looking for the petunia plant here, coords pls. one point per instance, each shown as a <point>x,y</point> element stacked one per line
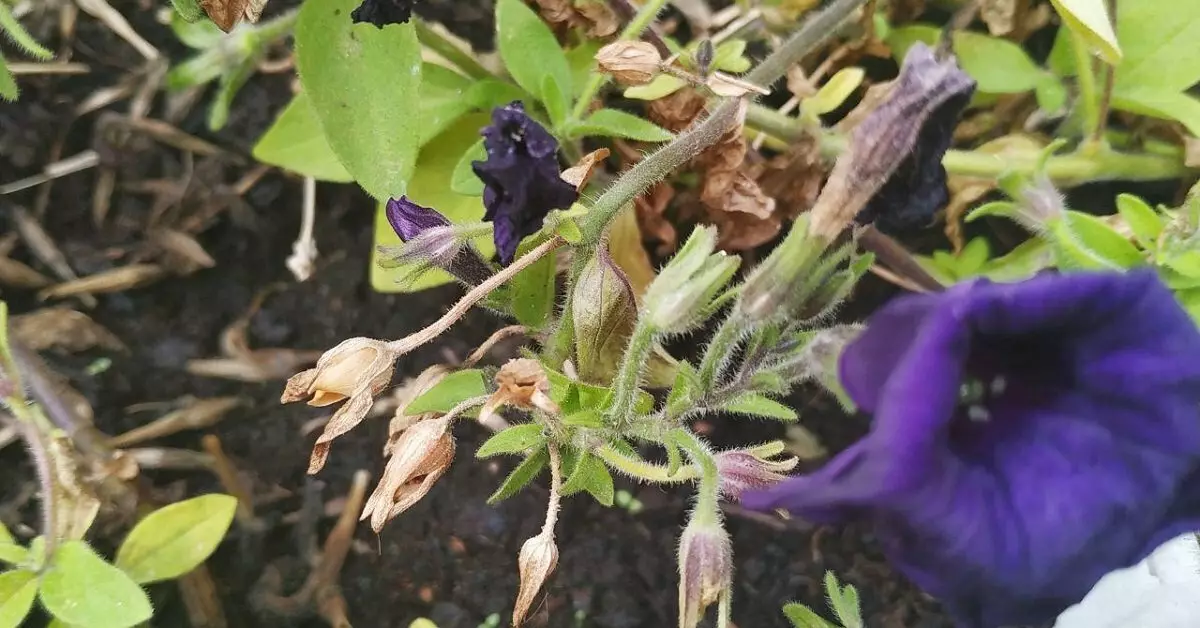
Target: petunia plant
<point>1031,432</point>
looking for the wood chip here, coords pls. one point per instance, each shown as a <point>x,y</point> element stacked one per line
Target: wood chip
<point>115,280</point>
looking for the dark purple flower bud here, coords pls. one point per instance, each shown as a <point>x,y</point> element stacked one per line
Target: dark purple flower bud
<point>1028,439</point>
<point>741,470</point>
<point>383,12</point>
<point>431,240</point>
<point>521,177</point>
<point>891,173</point>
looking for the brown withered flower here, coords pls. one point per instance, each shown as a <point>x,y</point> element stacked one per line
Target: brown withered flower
<point>593,16</point>
<point>354,371</point>
<point>630,62</point>
<point>537,560</point>
<point>521,383</point>
<point>891,173</point>
<point>420,456</point>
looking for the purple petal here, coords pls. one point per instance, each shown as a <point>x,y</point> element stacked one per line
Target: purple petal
<point>409,219</point>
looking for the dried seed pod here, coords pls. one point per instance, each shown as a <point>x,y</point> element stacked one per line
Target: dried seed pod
<point>630,62</point>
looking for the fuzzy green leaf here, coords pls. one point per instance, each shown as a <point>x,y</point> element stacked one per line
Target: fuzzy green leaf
<point>81,589</point>
<point>451,391</point>
<point>8,83</point>
<point>521,476</point>
<point>662,86</point>
<point>463,179</point>
<point>18,589</point>
<point>834,92</point>
<point>555,100</point>
<point>530,51</point>
<point>175,539</point>
<point>802,616</point>
<point>531,292</point>
<point>21,37</point>
<point>614,123</point>
<point>1090,19</point>
<point>591,475</point>
<point>843,601</point>
<point>513,440</point>
<point>361,81</point>
<point>295,142</point>
<point>1160,44</point>
<point>1145,223</point>
<point>1186,263</point>
<point>756,404</point>
<point>189,10</point>
<point>1158,102</point>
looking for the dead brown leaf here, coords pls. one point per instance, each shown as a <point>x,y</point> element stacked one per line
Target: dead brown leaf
<point>651,207</point>
<point>227,13</point>
<point>115,280</point>
<point>193,414</point>
<point>579,174</point>
<point>19,275</point>
<point>998,15</point>
<point>625,246</point>
<point>181,253</point>
<point>594,16</point>
<point>62,328</point>
<point>794,178</point>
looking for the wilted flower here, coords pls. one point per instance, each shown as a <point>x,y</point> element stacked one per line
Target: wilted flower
<point>891,173</point>
<point>705,569</point>
<point>431,240</point>
<point>420,456</point>
<point>752,469</point>
<point>1028,439</point>
<point>630,62</point>
<point>521,177</point>
<point>579,174</point>
<point>537,560</point>
<point>383,12</point>
<point>685,288</point>
<point>356,369</point>
<point>521,383</point>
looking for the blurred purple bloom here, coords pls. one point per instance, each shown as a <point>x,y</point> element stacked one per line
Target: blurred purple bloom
<point>430,239</point>
<point>1028,439</point>
<point>383,12</point>
<point>521,177</point>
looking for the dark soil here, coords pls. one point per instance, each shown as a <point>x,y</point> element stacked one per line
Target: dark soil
<point>452,557</point>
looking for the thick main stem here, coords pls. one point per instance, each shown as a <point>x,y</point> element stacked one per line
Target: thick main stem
<point>628,381</point>
<point>477,294</point>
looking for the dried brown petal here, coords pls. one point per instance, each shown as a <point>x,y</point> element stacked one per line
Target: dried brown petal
<point>651,207</point>
<point>794,179</point>
<point>743,232</point>
<point>579,174</point>
<point>62,328</point>
<point>593,16</point>
<point>420,457</point>
<point>537,560</point>
<point>521,383</point>
<point>998,15</point>
<point>746,197</point>
<point>227,13</point>
<point>630,62</point>
<point>723,84</point>
<point>676,112</point>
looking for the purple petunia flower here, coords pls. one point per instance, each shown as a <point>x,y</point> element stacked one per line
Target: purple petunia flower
<point>521,177</point>
<point>430,240</point>
<point>1028,439</point>
<point>383,12</point>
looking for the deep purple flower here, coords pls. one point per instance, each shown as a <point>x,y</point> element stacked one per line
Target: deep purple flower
<point>430,240</point>
<point>383,12</point>
<point>1028,439</point>
<point>521,177</point>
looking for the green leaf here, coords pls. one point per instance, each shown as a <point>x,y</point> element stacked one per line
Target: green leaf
<point>591,475</point>
<point>1186,263</point>
<point>834,92</point>
<point>18,589</point>
<point>21,37</point>
<point>175,539</point>
<point>802,616</point>
<point>531,292</point>
<point>1190,300</point>
<point>490,93</point>
<point>1160,44</point>
<point>189,10</point>
<point>614,123</point>
<point>757,404</point>
<point>81,589</point>
<point>12,553</point>
<point>8,83</point>
<point>662,86</point>
<point>1145,223</point>
<point>1023,262</point>
<point>295,142</point>
<point>361,81</point>
<point>515,439</point>
<point>530,51</point>
<point>195,33</point>
<point>555,100</point>
<point>998,66</point>
<point>587,418</point>
<point>1090,19</point>
<point>973,256</point>
<point>430,186</point>
<point>422,622</point>
<point>1159,102</point>
<point>521,476</point>
<point>227,88</point>
<point>573,396</point>
<point>731,57</point>
<point>843,601</point>
<point>463,179</point>
<point>582,61</point>
<point>452,390</point>
<point>1084,241</point>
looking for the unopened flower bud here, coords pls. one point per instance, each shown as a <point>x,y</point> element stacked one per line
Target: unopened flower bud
<point>430,240</point>
<point>705,569</point>
<point>1039,203</point>
<point>604,311</point>
<point>681,295</point>
<point>420,456</point>
<point>752,468</point>
<point>537,560</point>
<point>630,62</point>
<point>356,369</point>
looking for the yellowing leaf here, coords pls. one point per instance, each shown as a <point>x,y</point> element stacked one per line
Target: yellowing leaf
<point>295,142</point>
<point>81,589</point>
<point>17,590</point>
<point>1091,20</point>
<point>175,539</point>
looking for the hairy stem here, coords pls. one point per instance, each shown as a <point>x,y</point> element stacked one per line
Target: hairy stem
<point>477,294</point>
<point>716,355</point>
<point>642,470</point>
<point>707,511</point>
<point>554,504</point>
<point>628,381</point>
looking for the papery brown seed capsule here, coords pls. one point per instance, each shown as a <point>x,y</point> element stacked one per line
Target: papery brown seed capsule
<point>630,62</point>
<point>537,560</point>
<point>705,569</point>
